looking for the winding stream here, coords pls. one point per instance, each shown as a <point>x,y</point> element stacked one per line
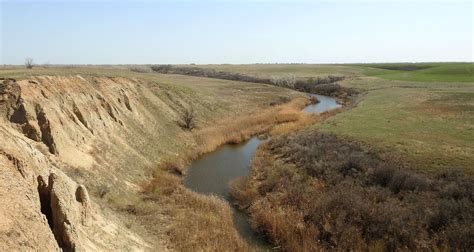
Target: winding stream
<point>212,173</point>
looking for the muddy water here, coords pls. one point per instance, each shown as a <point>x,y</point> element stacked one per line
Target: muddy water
<point>325,103</point>
<point>212,173</point>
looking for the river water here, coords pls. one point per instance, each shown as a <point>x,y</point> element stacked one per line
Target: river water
<point>212,173</point>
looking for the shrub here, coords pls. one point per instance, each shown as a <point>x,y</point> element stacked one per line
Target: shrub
<point>240,192</point>
<point>416,182</point>
<point>287,81</point>
<point>383,175</point>
<point>176,168</point>
<point>140,69</point>
<point>189,213</point>
<point>321,85</point>
<point>188,119</point>
<point>330,193</point>
<point>161,68</point>
<point>280,100</point>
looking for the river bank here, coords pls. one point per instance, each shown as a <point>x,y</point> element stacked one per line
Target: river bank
<point>212,173</point>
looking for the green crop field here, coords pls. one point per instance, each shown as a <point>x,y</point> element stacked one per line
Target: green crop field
<point>424,72</point>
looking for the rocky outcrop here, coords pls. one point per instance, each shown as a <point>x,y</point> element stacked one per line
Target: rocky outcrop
<point>45,127</point>
<point>31,131</point>
<point>82,196</point>
<point>42,208</point>
<point>79,115</point>
<point>66,206</point>
<point>14,109</point>
<point>60,131</point>
<point>127,102</point>
<point>9,97</point>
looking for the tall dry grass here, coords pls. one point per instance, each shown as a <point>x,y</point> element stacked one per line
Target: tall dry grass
<point>199,222</point>
<point>282,223</point>
<point>204,223</point>
<point>280,119</point>
<point>238,129</point>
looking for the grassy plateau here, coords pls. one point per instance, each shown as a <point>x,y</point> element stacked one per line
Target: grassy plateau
<point>424,112</point>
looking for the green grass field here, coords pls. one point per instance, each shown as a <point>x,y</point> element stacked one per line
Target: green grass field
<point>420,72</point>
<point>427,118</point>
<point>424,112</point>
<point>299,70</point>
<point>430,125</point>
<point>425,72</point>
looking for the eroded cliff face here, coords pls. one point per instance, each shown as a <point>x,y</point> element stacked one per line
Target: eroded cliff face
<point>74,151</point>
<point>57,133</point>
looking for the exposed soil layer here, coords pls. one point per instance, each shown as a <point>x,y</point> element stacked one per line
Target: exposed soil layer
<point>100,136</point>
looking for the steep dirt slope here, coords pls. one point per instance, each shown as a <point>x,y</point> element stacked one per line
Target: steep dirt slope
<point>62,138</point>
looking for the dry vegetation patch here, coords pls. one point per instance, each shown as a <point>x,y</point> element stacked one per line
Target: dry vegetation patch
<point>310,191</point>
<point>202,222</point>
<point>326,85</point>
<point>240,128</point>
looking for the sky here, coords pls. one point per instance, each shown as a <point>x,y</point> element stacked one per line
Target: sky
<point>238,32</point>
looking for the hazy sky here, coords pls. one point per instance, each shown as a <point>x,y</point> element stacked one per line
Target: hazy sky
<point>139,32</point>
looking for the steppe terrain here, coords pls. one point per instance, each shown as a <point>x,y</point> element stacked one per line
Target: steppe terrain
<point>92,157</point>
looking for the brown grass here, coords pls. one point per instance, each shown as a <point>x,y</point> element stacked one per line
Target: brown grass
<point>204,223</point>
<point>199,222</point>
<point>238,129</point>
<point>310,191</point>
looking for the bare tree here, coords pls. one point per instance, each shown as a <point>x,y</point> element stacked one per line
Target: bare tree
<point>188,118</point>
<point>29,63</point>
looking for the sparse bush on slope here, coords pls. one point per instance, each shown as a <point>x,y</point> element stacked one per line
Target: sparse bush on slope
<point>311,191</point>
<point>188,118</point>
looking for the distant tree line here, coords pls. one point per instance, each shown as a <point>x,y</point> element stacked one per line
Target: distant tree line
<point>320,85</point>
<point>205,72</point>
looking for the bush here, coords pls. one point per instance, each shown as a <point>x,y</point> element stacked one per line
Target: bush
<point>140,69</point>
<point>188,118</point>
<point>280,100</point>
<point>287,81</point>
<point>239,192</point>
<point>161,68</point>
<point>330,193</point>
<point>321,85</point>
<point>383,175</point>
